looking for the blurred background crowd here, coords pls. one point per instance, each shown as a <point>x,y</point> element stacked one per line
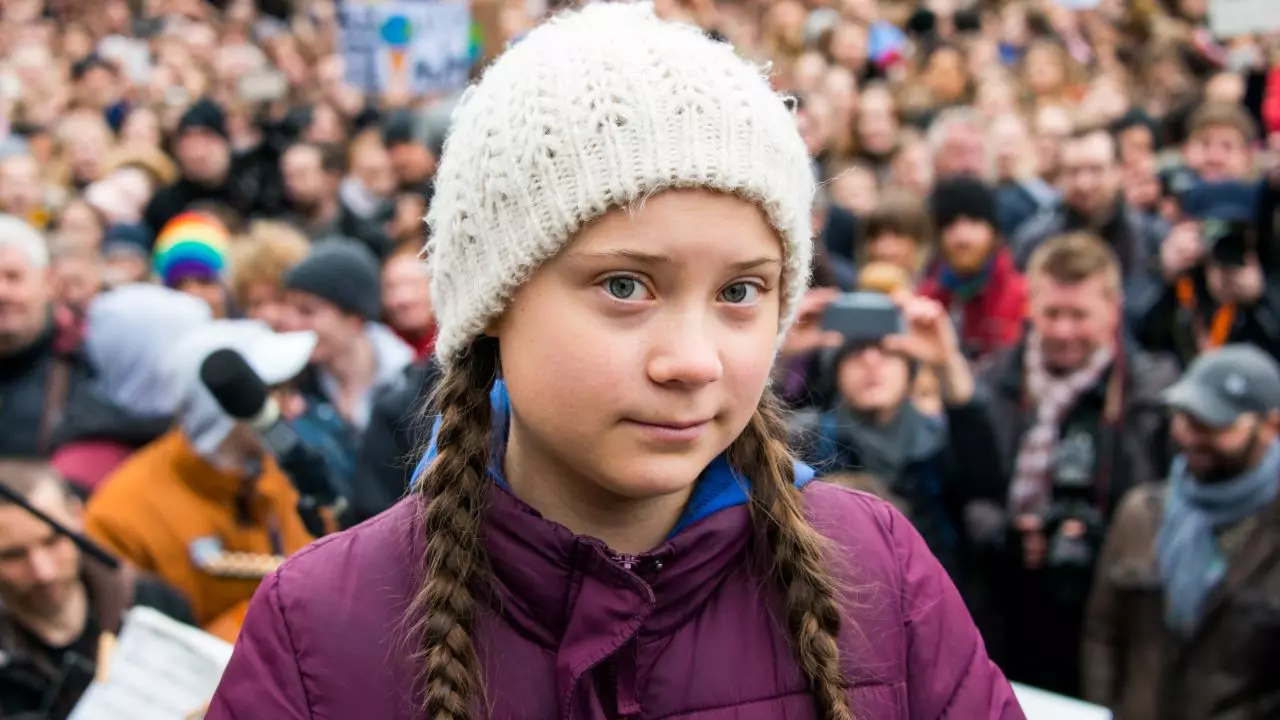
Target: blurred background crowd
<point>1088,187</point>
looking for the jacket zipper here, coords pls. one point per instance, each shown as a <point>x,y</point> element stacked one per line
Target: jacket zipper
<point>628,562</point>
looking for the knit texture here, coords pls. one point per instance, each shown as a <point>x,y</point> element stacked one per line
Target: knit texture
<point>191,246</point>
<point>592,111</point>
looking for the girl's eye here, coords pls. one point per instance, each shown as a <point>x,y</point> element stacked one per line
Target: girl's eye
<point>741,293</point>
<point>624,287</point>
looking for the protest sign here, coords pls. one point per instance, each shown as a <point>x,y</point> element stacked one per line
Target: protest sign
<point>1231,18</point>
<point>420,46</point>
<point>159,669</point>
<point>1040,704</point>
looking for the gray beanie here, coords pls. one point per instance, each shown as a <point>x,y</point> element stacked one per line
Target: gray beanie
<point>592,111</point>
<point>342,272</point>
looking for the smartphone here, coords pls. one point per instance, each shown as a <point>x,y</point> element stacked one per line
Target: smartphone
<point>263,86</point>
<point>863,317</point>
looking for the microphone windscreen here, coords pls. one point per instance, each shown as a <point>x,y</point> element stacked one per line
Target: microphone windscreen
<point>234,384</point>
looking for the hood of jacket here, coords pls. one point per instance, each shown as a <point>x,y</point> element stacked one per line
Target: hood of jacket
<point>719,487</point>
<point>90,416</point>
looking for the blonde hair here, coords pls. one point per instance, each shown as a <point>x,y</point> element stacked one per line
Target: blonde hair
<point>883,277</point>
<point>263,257</point>
<point>1072,258</point>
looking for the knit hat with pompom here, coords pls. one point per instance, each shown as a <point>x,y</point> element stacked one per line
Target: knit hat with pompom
<point>589,112</point>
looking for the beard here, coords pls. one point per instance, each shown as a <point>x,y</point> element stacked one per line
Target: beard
<point>1225,466</point>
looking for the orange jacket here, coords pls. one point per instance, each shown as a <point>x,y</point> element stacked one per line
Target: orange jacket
<point>168,511</point>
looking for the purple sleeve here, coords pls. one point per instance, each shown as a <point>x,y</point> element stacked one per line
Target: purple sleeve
<point>263,679</point>
<point>948,671</point>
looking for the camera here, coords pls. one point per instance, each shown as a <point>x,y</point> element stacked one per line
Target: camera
<point>1227,241</point>
<point>1073,525</point>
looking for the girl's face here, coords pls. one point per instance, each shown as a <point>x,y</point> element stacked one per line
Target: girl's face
<point>1045,73</point>
<point>849,45</point>
<point>877,122</point>
<point>806,76</point>
<point>841,90</point>
<point>946,76</point>
<point>640,352</point>
<point>996,98</point>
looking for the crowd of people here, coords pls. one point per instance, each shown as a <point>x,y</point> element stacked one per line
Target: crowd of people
<point>1072,205</point>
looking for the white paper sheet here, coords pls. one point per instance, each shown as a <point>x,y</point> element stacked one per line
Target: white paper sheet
<point>160,670</point>
<point>1040,704</point>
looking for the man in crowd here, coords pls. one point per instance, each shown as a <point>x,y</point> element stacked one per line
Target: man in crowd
<point>1182,620</point>
<point>974,277</point>
<point>1092,201</point>
<point>205,507</point>
<point>1219,143</point>
<point>57,603</point>
<point>336,294</point>
<point>248,183</point>
<point>37,363</point>
<point>1215,289</point>
<point>1076,418</point>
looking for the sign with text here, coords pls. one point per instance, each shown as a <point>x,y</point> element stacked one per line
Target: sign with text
<point>1232,18</point>
<point>421,46</point>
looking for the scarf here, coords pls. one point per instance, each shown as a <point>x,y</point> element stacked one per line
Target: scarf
<point>988,308</point>
<point>885,451</point>
<point>1052,397</point>
<point>965,287</point>
<point>1190,560</point>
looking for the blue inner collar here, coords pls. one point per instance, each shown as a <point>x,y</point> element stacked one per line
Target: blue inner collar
<point>719,487</point>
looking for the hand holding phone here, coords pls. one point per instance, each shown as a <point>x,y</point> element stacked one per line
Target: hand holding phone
<point>863,317</point>
<point>927,336</point>
<point>807,333</point>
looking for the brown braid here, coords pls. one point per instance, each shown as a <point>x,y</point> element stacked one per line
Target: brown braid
<point>455,486</point>
<point>813,614</point>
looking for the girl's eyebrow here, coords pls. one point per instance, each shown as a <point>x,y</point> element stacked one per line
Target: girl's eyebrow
<point>651,259</point>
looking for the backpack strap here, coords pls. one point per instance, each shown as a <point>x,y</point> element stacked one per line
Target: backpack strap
<point>56,388</point>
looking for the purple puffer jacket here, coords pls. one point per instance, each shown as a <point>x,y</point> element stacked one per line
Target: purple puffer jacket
<point>687,631</point>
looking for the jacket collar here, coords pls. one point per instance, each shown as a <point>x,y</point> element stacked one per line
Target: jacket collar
<point>551,582</point>
<point>542,570</point>
<point>225,489</point>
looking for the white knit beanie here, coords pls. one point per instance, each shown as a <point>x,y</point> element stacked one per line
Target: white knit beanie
<point>591,111</point>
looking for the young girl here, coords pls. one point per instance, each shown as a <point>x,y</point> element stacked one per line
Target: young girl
<point>615,529</point>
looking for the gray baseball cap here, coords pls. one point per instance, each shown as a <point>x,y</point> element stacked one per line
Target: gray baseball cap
<point>1223,384</point>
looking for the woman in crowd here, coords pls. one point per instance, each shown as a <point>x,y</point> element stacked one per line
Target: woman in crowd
<point>609,523</point>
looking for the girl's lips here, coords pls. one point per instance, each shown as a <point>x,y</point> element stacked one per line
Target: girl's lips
<point>672,432</point>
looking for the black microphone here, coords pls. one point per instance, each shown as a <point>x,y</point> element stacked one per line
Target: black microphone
<point>245,397</point>
<point>87,546</point>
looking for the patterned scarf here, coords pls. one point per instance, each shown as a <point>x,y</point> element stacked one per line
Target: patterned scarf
<point>1051,396</point>
<point>965,287</point>
<point>1191,560</point>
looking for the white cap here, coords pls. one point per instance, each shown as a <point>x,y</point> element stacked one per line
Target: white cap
<point>275,357</point>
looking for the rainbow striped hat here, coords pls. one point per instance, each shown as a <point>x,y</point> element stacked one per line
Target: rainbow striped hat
<point>191,246</point>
